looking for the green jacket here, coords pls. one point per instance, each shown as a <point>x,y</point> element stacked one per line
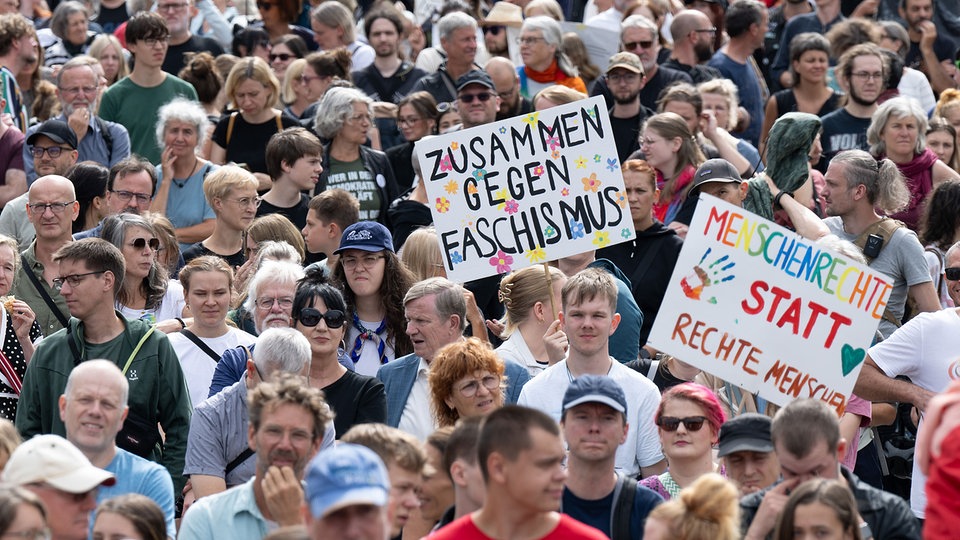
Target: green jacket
<point>158,391</point>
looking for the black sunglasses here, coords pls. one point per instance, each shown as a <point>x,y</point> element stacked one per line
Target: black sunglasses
<point>141,243</point>
<point>280,56</point>
<point>953,274</point>
<point>468,98</point>
<point>691,423</point>
<point>311,317</point>
<point>495,30</point>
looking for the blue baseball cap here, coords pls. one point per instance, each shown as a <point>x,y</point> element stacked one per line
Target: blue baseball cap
<point>366,236</point>
<point>595,389</point>
<point>345,475</point>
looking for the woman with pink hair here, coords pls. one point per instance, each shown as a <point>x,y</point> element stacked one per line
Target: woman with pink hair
<point>688,421</point>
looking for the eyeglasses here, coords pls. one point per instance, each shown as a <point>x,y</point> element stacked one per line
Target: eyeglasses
<point>691,423</point>
<point>863,75</point>
<point>52,151</point>
<point>468,98</point>
<point>125,196</point>
<point>56,208</point>
<point>493,30</point>
<point>244,202</point>
<point>306,79</point>
<point>87,90</point>
<point>366,261</point>
<point>311,317</point>
<point>283,57</point>
<point>490,382</point>
<point>529,40</point>
<point>711,30</point>
<point>31,534</point>
<point>408,121</point>
<point>637,44</point>
<point>153,42</point>
<point>141,243</point>
<point>623,77</point>
<point>360,118</point>
<point>952,274</point>
<point>73,279</point>
<point>267,302</point>
<point>172,7</point>
<point>648,142</point>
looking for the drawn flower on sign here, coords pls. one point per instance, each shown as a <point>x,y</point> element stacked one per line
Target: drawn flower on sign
<point>592,113</point>
<point>591,183</point>
<point>549,232</point>
<point>565,192</point>
<point>536,255</point>
<point>621,199</point>
<point>553,142</point>
<point>625,233</point>
<point>443,205</point>
<point>479,174</point>
<point>511,207</point>
<point>581,162</point>
<point>538,170</point>
<point>502,261</point>
<point>452,187</point>
<point>555,154</point>
<point>503,130</point>
<point>531,119</point>
<point>445,163</point>
<point>601,238</point>
<point>454,145</point>
<point>597,158</point>
<point>504,196</point>
<point>576,229</point>
<point>456,257</point>
<point>472,189</point>
<point>611,164</point>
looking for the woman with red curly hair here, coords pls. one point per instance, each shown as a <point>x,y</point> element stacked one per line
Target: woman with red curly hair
<point>466,379</point>
<point>688,421</point>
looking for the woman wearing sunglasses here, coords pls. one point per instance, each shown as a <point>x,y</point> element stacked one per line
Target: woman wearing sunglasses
<point>285,50</point>
<point>466,380</point>
<point>147,292</point>
<point>207,283</point>
<point>319,313</point>
<point>688,421</point>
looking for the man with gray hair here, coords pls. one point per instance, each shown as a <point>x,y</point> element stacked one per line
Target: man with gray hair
<point>93,408</point>
<point>78,87</point>
<point>218,453</point>
<point>458,39</point>
<point>436,314</point>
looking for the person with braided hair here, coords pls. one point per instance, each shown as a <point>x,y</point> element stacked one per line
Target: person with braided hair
<point>533,335</point>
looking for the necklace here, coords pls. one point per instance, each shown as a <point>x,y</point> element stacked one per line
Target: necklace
<point>182,182</point>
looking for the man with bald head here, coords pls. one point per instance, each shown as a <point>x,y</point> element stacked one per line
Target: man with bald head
<point>93,407</point>
<point>51,208</point>
<point>505,78</point>
<point>693,36</point>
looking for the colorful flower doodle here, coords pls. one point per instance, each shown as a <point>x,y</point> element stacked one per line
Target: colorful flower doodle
<point>502,261</point>
<point>445,163</point>
<point>479,174</point>
<point>443,205</point>
<point>472,189</point>
<point>536,254</point>
<point>511,207</point>
<point>452,187</point>
<point>591,183</point>
<point>503,130</point>
<point>456,257</point>
<point>454,145</point>
<point>504,196</point>
<point>611,164</point>
<point>621,199</point>
<point>555,154</point>
<point>597,158</point>
<point>601,238</point>
<point>565,192</point>
<point>538,170</point>
<point>592,113</point>
<point>576,229</point>
<point>581,162</point>
<point>549,232</point>
<point>553,142</point>
<point>625,233</point>
<point>531,119</point>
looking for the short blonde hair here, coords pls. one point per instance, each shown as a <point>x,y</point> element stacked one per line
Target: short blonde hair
<point>257,69</point>
<point>291,78</point>
<point>708,508</point>
<point>224,180</point>
<point>421,253</point>
<point>393,446</point>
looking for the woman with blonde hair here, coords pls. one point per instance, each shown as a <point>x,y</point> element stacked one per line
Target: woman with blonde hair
<point>107,50</point>
<point>533,337</point>
<point>240,137</point>
<point>708,510</point>
<point>942,139</point>
<point>577,52</point>
<point>673,152</point>
<point>295,95</point>
<point>466,379</point>
<point>554,95</point>
<point>334,27</point>
<point>421,254</point>
<point>721,100</point>
<point>820,508</point>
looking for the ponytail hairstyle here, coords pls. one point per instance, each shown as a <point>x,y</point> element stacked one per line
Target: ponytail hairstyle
<point>522,289</point>
<point>886,186</point>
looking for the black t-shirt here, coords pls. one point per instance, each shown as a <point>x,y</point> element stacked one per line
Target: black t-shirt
<point>297,214</point>
<point>663,78</point>
<point>390,89</point>
<point>248,142</point>
<point>401,161</point>
<point>842,131</point>
<point>174,61</point>
<point>110,18</point>
<point>198,250</point>
<point>356,399</point>
<point>626,132</point>
<point>942,47</point>
<point>597,513</point>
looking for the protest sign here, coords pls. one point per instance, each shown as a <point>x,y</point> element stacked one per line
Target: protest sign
<point>763,308</point>
<point>526,190</point>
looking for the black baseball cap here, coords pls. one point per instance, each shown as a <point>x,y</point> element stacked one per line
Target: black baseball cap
<point>57,131</point>
<point>475,76</point>
<point>746,432</point>
<point>715,170</point>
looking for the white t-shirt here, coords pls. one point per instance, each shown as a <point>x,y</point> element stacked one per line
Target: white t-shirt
<point>642,447</point>
<point>926,349</point>
<point>369,361</point>
<point>171,306</point>
<point>198,366</point>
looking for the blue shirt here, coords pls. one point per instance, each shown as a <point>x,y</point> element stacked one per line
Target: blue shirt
<point>232,514</point>
<point>93,147</point>
<point>599,513</point>
<point>137,475</point>
<point>753,90</point>
<point>187,205</point>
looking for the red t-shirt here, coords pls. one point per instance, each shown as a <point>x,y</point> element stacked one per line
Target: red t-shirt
<point>943,491</point>
<point>567,528</point>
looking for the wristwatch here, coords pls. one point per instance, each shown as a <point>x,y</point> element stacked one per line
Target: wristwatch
<point>865,531</point>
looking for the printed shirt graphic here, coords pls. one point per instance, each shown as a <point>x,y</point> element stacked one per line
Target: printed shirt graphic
<point>352,176</point>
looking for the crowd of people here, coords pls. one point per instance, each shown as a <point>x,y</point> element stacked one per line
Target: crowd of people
<point>226,312</point>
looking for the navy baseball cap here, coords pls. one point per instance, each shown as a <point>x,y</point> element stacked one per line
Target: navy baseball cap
<point>595,389</point>
<point>366,236</point>
<point>475,76</point>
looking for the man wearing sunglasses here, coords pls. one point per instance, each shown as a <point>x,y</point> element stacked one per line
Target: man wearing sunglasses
<point>925,350</point>
<point>507,84</point>
<point>477,99</point>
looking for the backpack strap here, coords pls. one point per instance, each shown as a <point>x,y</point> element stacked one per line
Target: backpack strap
<point>939,254</point>
<point>136,350</point>
<point>64,320</point>
<point>201,345</point>
<point>245,455</point>
<point>622,513</point>
<point>885,228</point>
<point>107,137</point>
<point>230,122</point>
<point>279,122</point>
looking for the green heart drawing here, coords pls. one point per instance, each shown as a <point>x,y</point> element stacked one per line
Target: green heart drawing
<point>851,358</point>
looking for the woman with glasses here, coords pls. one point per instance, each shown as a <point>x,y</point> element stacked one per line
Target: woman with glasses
<point>466,380</point>
<point>294,94</point>
<point>544,62</point>
<point>181,130</point>
<point>345,119</point>
<point>374,282</point>
<point>688,421</point>
<point>18,331</point>
<point>241,136</point>
<point>208,286</point>
<point>416,117</point>
<point>147,292</point>
<point>131,516</point>
<point>285,50</point>
<point>22,514</point>
<point>323,69</point>
<point>232,194</point>
<point>319,313</point>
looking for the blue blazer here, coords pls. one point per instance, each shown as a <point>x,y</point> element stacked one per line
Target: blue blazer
<point>398,378</point>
